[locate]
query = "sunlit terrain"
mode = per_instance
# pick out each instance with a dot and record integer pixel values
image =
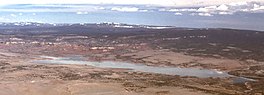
(145, 47)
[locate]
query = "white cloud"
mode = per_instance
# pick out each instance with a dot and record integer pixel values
(225, 13)
(178, 14)
(99, 8)
(238, 3)
(223, 9)
(3, 19)
(13, 15)
(125, 9)
(258, 8)
(252, 7)
(180, 10)
(81, 13)
(204, 14)
(143, 10)
(201, 14)
(202, 10)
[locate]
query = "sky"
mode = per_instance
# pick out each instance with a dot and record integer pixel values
(178, 3)
(239, 14)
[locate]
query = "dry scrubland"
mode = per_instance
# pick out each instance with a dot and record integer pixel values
(238, 52)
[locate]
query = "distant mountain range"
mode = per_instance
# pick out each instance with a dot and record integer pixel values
(15, 27)
(105, 24)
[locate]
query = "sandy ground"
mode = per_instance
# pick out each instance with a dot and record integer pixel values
(21, 78)
(165, 58)
(18, 76)
(56, 87)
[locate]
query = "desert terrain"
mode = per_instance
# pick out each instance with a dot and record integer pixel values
(71, 59)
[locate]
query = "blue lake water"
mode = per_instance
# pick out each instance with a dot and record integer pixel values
(203, 73)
